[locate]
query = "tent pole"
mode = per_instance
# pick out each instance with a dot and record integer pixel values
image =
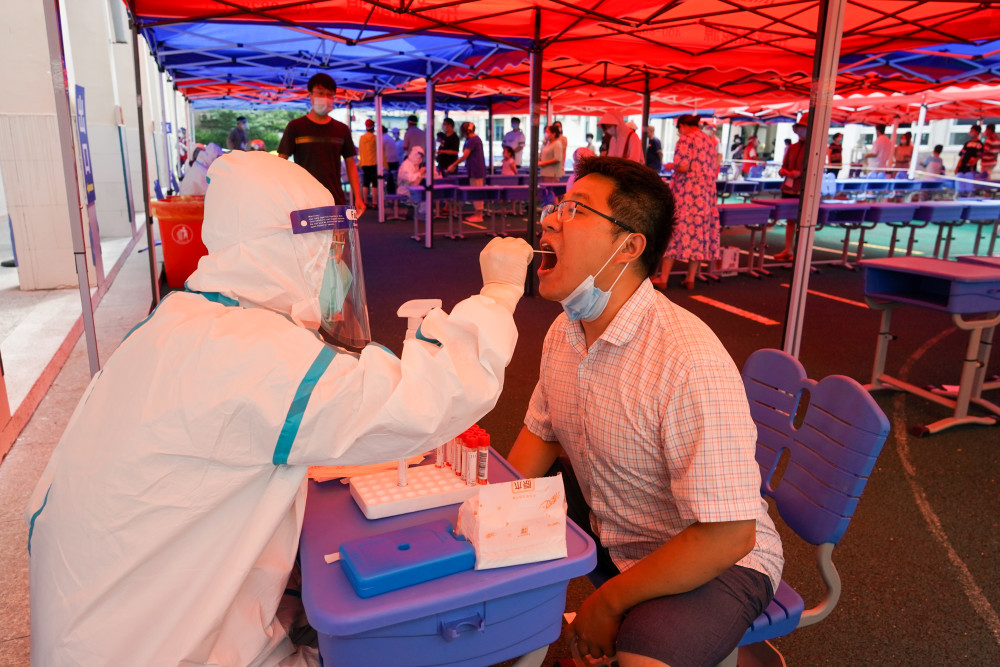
(489, 132)
(379, 156)
(429, 159)
(919, 130)
(534, 110)
(150, 241)
(828, 35)
(60, 91)
(645, 115)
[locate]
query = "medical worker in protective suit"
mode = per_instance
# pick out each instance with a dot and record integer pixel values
(166, 524)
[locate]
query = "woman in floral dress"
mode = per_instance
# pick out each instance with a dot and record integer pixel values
(696, 225)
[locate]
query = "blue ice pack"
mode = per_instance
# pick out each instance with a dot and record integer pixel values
(401, 558)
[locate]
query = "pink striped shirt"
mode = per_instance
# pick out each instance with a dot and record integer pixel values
(655, 420)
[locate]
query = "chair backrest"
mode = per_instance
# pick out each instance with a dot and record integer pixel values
(756, 171)
(829, 185)
(830, 453)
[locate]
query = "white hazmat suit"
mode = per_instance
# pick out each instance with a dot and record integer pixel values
(166, 524)
(195, 181)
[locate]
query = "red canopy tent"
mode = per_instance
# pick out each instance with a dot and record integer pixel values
(786, 37)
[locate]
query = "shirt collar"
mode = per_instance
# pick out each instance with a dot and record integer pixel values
(625, 324)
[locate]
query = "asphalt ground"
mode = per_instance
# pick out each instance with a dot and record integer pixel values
(920, 562)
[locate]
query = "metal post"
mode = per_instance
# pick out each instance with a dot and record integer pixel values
(74, 207)
(919, 130)
(828, 35)
(379, 156)
(534, 110)
(645, 115)
(429, 158)
(150, 241)
(168, 155)
(489, 132)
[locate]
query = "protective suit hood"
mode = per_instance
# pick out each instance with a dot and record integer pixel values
(625, 142)
(210, 154)
(253, 256)
(614, 117)
(416, 155)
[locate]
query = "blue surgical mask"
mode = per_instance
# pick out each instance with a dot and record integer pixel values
(336, 282)
(588, 301)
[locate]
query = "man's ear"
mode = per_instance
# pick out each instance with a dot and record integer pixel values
(634, 247)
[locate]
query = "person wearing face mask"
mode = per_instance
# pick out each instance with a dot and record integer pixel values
(623, 141)
(165, 528)
(650, 413)
(793, 170)
(317, 143)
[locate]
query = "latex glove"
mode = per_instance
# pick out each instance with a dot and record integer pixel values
(504, 263)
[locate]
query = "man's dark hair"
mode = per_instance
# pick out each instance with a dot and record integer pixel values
(448, 121)
(992, 127)
(412, 119)
(880, 128)
(590, 136)
(975, 128)
(640, 199)
(689, 119)
(938, 148)
(321, 79)
(515, 121)
(241, 119)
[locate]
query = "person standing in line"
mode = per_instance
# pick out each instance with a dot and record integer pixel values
(654, 150)
(968, 157)
(368, 156)
(238, 136)
(622, 140)
(991, 148)
(317, 143)
(448, 152)
(182, 151)
(835, 154)
(509, 166)
(750, 155)
(391, 156)
(515, 139)
(696, 227)
(475, 161)
(793, 169)
(880, 156)
(414, 136)
(590, 145)
(551, 160)
(398, 140)
(561, 137)
(901, 155)
(933, 164)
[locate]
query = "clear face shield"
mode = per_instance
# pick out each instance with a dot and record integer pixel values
(342, 300)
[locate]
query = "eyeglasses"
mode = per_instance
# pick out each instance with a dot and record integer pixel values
(566, 210)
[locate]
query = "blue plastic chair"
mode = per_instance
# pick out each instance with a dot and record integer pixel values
(756, 171)
(823, 458)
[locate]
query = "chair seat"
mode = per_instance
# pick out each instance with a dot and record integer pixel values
(779, 619)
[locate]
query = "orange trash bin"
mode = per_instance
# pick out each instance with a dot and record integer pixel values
(180, 221)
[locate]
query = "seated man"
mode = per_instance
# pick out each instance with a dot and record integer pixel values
(651, 411)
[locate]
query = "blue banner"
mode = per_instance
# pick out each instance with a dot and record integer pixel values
(81, 126)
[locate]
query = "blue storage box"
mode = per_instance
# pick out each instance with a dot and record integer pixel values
(464, 619)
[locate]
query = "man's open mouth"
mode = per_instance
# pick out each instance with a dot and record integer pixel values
(549, 257)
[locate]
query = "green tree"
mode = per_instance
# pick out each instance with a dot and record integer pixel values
(214, 125)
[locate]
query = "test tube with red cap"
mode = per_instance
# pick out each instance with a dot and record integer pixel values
(483, 457)
(470, 465)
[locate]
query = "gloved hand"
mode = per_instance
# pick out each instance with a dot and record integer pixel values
(504, 263)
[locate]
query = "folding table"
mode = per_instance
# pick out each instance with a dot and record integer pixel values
(466, 619)
(781, 209)
(983, 213)
(754, 216)
(960, 288)
(849, 216)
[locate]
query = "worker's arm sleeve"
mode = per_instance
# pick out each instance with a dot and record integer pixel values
(379, 407)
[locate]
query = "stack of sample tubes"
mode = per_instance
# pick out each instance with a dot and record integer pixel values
(467, 455)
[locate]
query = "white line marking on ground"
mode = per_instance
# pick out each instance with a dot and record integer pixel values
(834, 298)
(972, 591)
(734, 310)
